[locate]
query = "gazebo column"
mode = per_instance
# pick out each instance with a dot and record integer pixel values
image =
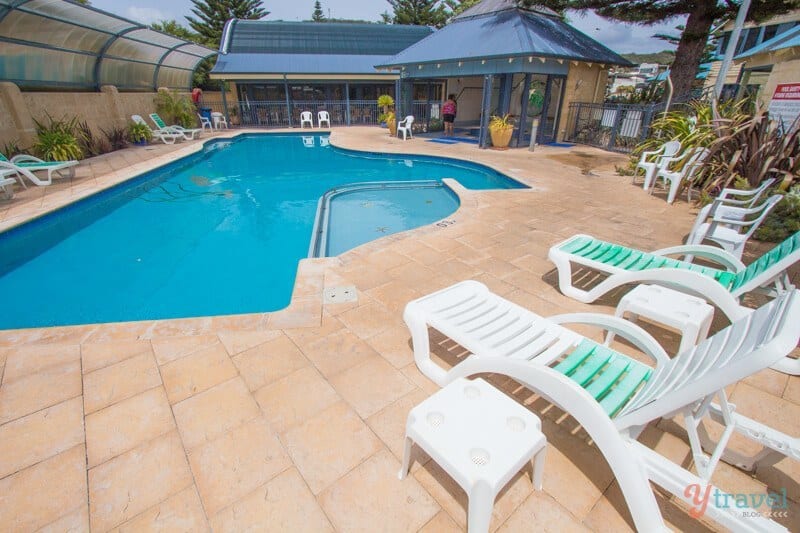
(486, 109)
(523, 111)
(504, 105)
(404, 100)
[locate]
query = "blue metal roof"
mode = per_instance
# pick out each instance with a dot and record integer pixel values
(262, 47)
(297, 64)
(788, 39)
(507, 32)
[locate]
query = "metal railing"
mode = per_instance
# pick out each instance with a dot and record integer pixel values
(618, 127)
(276, 113)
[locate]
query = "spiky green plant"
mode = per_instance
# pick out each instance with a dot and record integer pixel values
(175, 108)
(56, 139)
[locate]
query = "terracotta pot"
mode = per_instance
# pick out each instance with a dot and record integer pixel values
(501, 138)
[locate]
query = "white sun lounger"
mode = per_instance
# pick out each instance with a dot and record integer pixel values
(614, 396)
(187, 133)
(165, 136)
(24, 165)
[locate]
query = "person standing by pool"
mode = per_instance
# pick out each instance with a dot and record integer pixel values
(449, 110)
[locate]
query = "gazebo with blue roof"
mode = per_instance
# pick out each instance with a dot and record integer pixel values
(499, 58)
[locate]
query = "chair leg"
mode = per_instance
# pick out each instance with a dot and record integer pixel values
(481, 502)
(538, 468)
(406, 459)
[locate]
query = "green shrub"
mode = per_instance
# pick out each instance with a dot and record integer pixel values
(56, 140)
(174, 108)
(89, 143)
(783, 220)
(139, 132)
(118, 137)
(11, 148)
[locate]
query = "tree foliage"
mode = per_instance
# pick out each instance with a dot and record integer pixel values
(176, 29)
(211, 15)
(417, 13)
(701, 15)
(456, 7)
(318, 15)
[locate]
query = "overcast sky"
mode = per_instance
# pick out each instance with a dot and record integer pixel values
(621, 38)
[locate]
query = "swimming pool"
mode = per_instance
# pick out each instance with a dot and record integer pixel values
(218, 232)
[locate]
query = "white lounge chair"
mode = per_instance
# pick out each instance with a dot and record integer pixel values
(651, 162)
(187, 133)
(323, 116)
(165, 136)
(24, 165)
(404, 127)
(7, 184)
(306, 118)
(204, 122)
(730, 226)
(612, 395)
(674, 178)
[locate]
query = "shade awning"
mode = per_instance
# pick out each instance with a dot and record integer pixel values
(61, 44)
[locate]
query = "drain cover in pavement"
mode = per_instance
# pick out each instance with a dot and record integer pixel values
(338, 295)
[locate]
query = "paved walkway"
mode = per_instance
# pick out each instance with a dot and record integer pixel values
(293, 421)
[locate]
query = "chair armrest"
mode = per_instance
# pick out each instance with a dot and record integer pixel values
(624, 328)
(718, 255)
(25, 158)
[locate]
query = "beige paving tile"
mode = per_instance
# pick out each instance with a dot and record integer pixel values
(419, 379)
(371, 497)
(368, 320)
(30, 499)
(236, 463)
(170, 349)
(371, 386)
(207, 415)
(338, 352)
(74, 522)
(541, 512)
(133, 482)
(111, 384)
(27, 360)
(295, 398)
(389, 424)
(127, 424)
(197, 372)
(769, 381)
(329, 444)
(269, 362)
(40, 435)
(32, 392)
(180, 513)
(101, 354)
(441, 523)
(394, 345)
(792, 392)
(303, 312)
(394, 294)
(302, 337)
(238, 341)
(283, 504)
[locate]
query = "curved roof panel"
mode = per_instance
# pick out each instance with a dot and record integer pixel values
(59, 43)
(506, 32)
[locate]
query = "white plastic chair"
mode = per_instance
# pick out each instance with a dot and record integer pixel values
(729, 226)
(651, 162)
(323, 116)
(614, 397)
(696, 157)
(204, 122)
(306, 118)
(404, 127)
(219, 120)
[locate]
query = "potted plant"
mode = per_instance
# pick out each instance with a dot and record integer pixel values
(391, 122)
(501, 129)
(385, 102)
(139, 134)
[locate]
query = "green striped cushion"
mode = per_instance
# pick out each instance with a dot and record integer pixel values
(158, 121)
(610, 377)
(767, 260)
(3, 158)
(634, 260)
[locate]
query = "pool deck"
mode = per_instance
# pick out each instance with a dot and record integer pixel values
(294, 420)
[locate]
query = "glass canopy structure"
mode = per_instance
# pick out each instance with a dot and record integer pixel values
(59, 44)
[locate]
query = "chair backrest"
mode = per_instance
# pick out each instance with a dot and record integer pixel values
(305, 115)
(671, 148)
(203, 119)
(745, 198)
(753, 343)
(409, 120)
(155, 118)
(768, 266)
(695, 162)
(323, 115)
(138, 120)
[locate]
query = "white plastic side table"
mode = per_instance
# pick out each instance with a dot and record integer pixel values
(688, 314)
(479, 436)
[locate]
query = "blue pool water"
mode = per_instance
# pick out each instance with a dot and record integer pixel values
(219, 232)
